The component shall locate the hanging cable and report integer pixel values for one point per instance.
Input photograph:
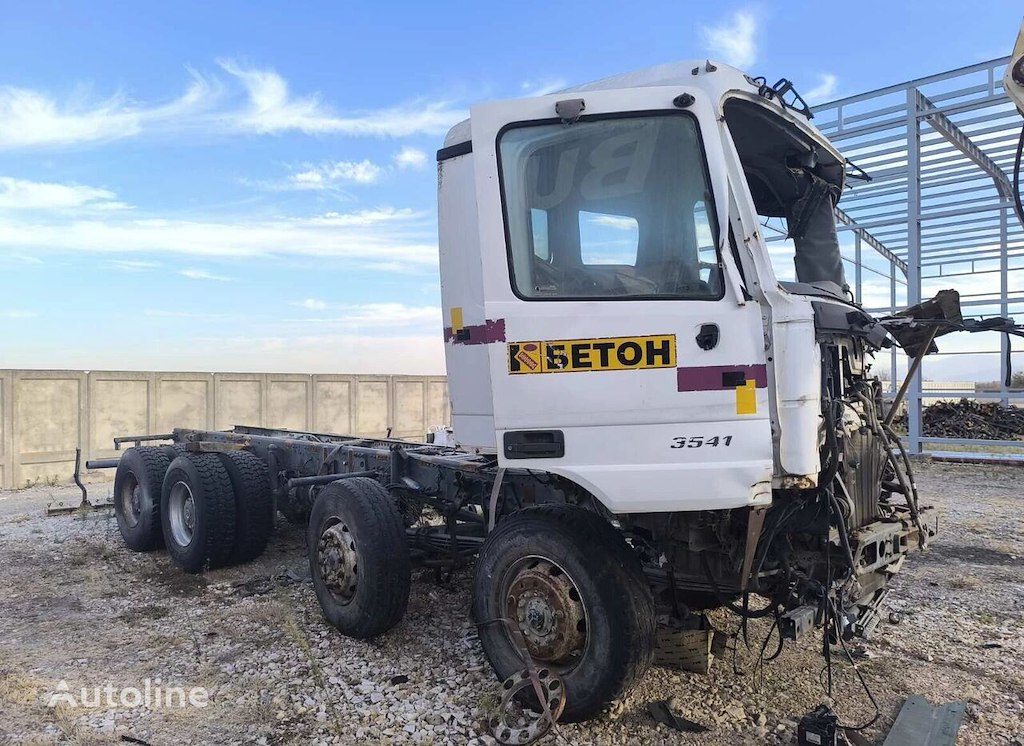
(867, 691)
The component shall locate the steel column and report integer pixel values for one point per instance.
(857, 275)
(913, 258)
(1004, 306)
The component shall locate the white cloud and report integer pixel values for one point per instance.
(541, 87)
(379, 315)
(17, 313)
(333, 175)
(410, 158)
(824, 91)
(202, 274)
(30, 118)
(378, 236)
(132, 265)
(330, 175)
(734, 40)
(273, 109)
(253, 100)
(21, 194)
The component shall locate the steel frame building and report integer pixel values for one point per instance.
(937, 213)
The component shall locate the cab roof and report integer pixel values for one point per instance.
(714, 77)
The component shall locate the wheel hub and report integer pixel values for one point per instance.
(547, 606)
(189, 513)
(130, 499)
(336, 552)
(182, 513)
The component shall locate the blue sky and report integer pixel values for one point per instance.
(250, 186)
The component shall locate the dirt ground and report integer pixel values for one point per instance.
(77, 607)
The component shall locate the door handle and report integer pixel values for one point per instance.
(534, 444)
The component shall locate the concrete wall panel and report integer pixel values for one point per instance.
(288, 401)
(239, 400)
(372, 407)
(48, 424)
(409, 403)
(183, 401)
(436, 406)
(332, 405)
(6, 451)
(118, 405)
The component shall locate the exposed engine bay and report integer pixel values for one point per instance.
(820, 555)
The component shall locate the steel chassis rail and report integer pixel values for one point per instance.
(460, 494)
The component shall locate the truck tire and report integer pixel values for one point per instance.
(359, 557)
(577, 592)
(173, 450)
(254, 507)
(137, 486)
(197, 512)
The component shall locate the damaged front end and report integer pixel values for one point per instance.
(845, 510)
(827, 554)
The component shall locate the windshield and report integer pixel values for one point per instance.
(609, 208)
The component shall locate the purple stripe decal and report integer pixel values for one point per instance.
(717, 377)
(480, 334)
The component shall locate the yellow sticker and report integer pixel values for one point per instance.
(457, 319)
(746, 398)
(579, 355)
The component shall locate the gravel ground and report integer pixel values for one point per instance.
(77, 606)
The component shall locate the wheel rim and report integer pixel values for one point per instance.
(130, 500)
(181, 512)
(339, 561)
(544, 600)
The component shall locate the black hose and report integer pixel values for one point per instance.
(844, 539)
(832, 443)
(829, 416)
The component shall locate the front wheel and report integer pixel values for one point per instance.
(577, 592)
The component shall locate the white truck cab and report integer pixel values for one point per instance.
(610, 307)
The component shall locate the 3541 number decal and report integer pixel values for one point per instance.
(700, 441)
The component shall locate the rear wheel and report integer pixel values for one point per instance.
(254, 507)
(359, 557)
(197, 511)
(137, 486)
(577, 592)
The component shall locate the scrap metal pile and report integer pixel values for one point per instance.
(970, 419)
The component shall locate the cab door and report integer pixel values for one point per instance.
(632, 363)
